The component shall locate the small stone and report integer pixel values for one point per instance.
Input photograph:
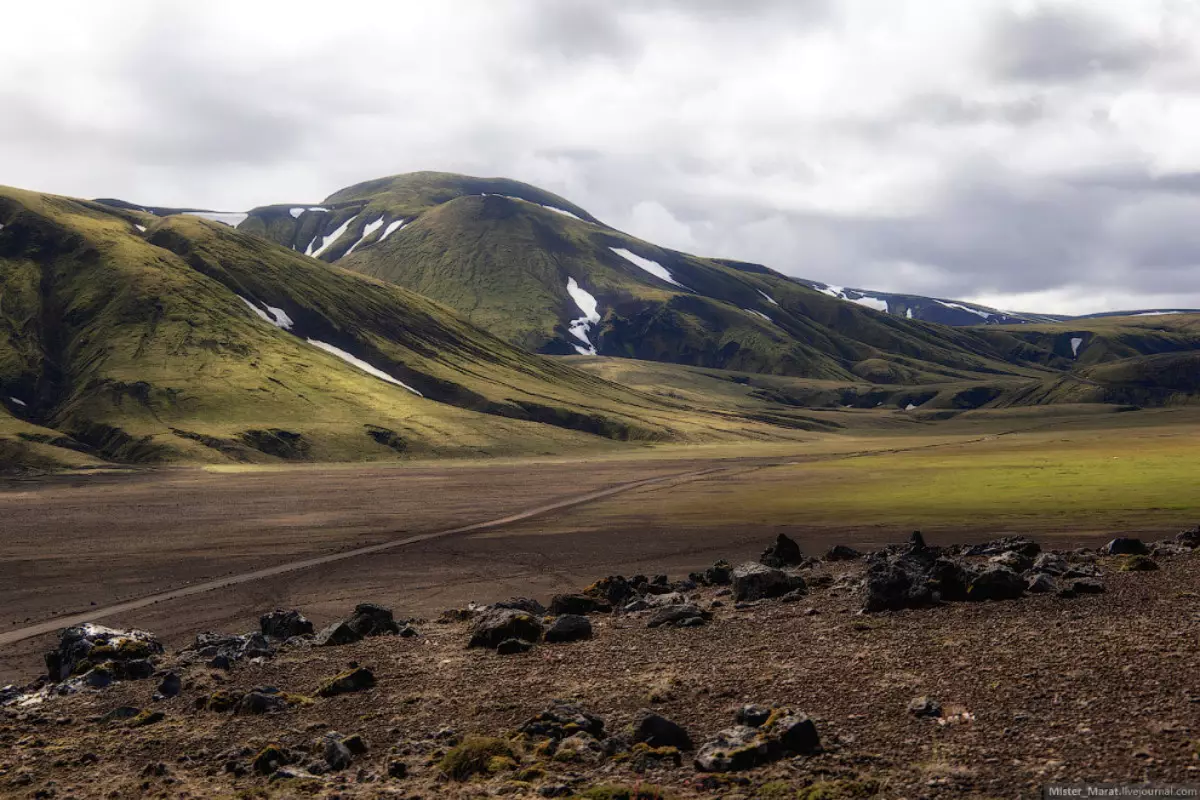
(354, 680)
(510, 647)
(337, 755)
(170, 685)
(658, 731)
(924, 707)
(753, 716)
(397, 769)
(569, 628)
(1126, 546)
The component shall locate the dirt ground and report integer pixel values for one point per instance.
(1037, 690)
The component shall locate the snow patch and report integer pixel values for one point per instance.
(579, 328)
(326, 241)
(866, 300)
(392, 228)
(908, 313)
(653, 267)
(17, 401)
(758, 314)
(1075, 342)
(298, 210)
(1141, 314)
(961, 307)
(364, 366)
(141, 228)
(368, 229)
(910, 407)
(768, 297)
(276, 316)
(230, 218)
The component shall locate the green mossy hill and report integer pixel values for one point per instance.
(131, 338)
(501, 255)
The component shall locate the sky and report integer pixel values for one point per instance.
(1035, 155)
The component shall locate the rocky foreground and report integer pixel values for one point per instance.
(914, 671)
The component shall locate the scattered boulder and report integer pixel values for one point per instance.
(1011, 559)
(614, 589)
(1019, 545)
(81, 647)
(1126, 546)
(753, 716)
(335, 635)
(526, 604)
(147, 717)
(1050, 564)
(170, 685)
(270, 759)
(743, 747)
(783, 553)
(1189, 538)
(284, 625)
(227, 647)
(924, 707)
(840, 552)
(577, 604)
(336, 752)
(260, 701)
(753, 581)
(354, 680)
(719, 574)
(500, 624)
(221, 700)
(562, 719)
(512, 647)
(1040, 583)
(685, 615)
(996, 583)
(1077, 586)
(569, 628)
(370, 619)
(580, 747)
(658, 731)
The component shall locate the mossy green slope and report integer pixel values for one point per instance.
(502, 253)
(139, 345)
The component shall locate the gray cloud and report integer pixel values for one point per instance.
(1031, 152)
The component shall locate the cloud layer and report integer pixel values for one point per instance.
(1037, 155)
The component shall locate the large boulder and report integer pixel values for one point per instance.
(614, 589)
(841, 552)
(783, 553)
(1126, 546)
(353, 680)
(1050, 564)
(370, 619)
(996, 583)
(123, 653)
(1009, 544)
(227, 647)
(569, 628)
(914, 577)
(1189, 538)
(577, 604)
(284, 624)
(658, 731)
(499, 624)
(752, 581)
(785, 733)
(336, 634)
(562, 719)
(685, 615)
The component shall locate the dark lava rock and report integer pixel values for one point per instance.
(270, 759)
(753, 716)
(512, 647)
(231, 647)
(1017, 562)
(1041, 583)
(685, 615)
(561, 720)
(95, 645)
(614, 589)
(1189, 538)
(170, 685)
(370, 619)
(658, 731)
(753, 581)
(577, 604)
(1138, 564)
(408, 632)
(354, 680)
(260, 701)
(120, 713)
(783, 553)
(840, 552)
(356, 744)
(526, 604)
(397, 769)
(916, 577)
(996, 583)
(719, 574)
(499, 624)
(1126, 546)
(1009, 544)
(337, 754)
(1077, 586)
(924, 707)
(743, 747)
(569, 628)
(1050, 563)
(339, 633)
(284, 624)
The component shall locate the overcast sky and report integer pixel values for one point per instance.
(1034, 155)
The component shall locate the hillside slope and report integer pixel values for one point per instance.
(543, 274)
(128, 337)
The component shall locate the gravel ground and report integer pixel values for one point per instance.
(1036, 690)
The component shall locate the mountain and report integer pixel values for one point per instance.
(129, 337)
(542, 273)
